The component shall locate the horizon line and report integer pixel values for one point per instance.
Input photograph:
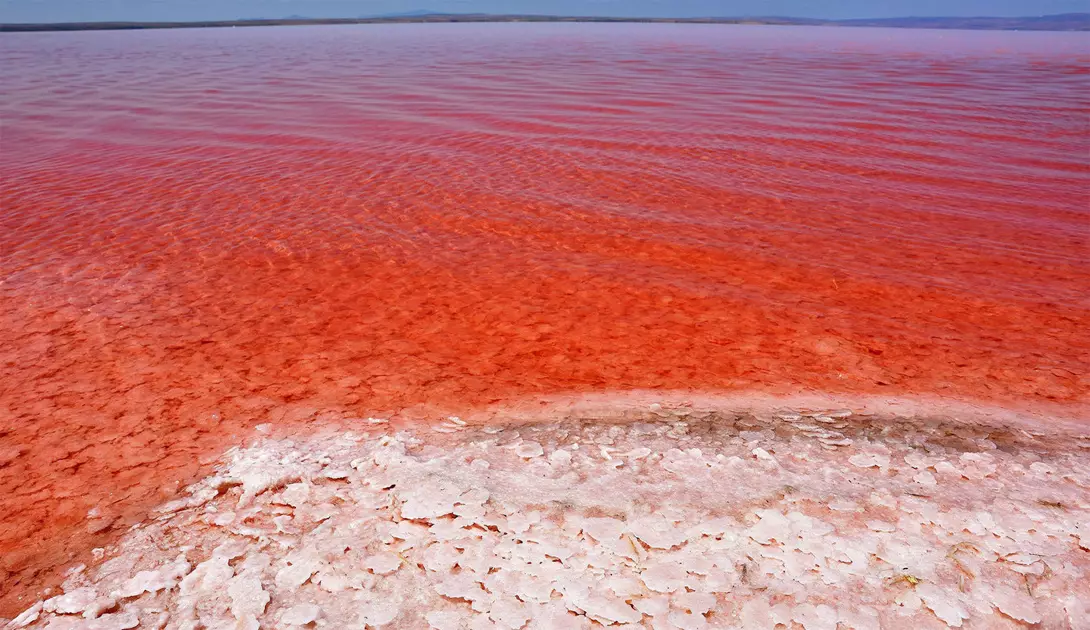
(1072, 21)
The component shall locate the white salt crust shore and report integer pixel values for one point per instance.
(687, 518)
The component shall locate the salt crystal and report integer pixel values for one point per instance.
(321, 512)
(916, 460)
(445, 620)
(714, 527)
(657, 532)
(608, 608)
(756, 613)
(604, 529)
(254, 563)
(696, 603)
(560, 457)
(332, 581)
(977, 466)
(1041, 468)
(296, 572)
(883, 498)
(624, 587)
(145, 581)
(944, 605)
(378, 613)
(430, 501)
(664, 577)
(687, 621)
(74, 601)
(555, 616)
(474, 496)
(1014, 603)
(454, 530)
(529, 450)
(1078, 612)
(247, 596)
(810, 617)
(224, 519)
(519, 523)
(763, 455)
(859, 618)
(772, 526)
(654, 606)
(300, 614)
(869, 460)
(27, 617)
(118, 621)
(925, 478)
(947, 468)
(781, 614)
(207, 576)
(99, 606)
(1022, 558)
(62, 623)
(461, 586)
(296, 494)
(1033, 569)
(281, 523)
(508, 612)
(383, 563)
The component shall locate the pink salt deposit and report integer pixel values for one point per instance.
(686, 517)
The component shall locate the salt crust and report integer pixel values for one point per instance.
(687, 521)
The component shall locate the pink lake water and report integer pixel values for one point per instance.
(204, 230)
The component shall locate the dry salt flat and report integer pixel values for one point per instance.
(683, 519)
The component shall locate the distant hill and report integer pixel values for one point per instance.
(1063, 22)
(406, 14)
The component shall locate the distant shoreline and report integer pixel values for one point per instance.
(1061, 22)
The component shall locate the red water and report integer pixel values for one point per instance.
(203, 230)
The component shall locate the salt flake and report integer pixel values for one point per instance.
(943, 605)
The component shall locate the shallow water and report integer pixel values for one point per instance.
(203, 230)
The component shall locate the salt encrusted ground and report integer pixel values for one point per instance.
(690, 519)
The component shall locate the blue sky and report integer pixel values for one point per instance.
(99, 10)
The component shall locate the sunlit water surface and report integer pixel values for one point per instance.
(203, 230)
